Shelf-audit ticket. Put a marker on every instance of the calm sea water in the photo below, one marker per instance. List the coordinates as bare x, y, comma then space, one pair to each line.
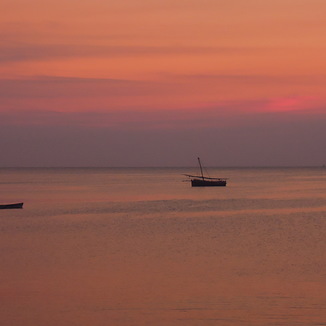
141, 247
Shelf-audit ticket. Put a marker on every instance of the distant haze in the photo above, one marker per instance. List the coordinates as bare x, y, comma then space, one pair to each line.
148, 83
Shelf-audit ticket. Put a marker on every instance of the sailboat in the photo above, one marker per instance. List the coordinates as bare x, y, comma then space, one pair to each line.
202, 181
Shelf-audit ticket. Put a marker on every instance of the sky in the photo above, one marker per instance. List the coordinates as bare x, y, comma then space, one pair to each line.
158, 83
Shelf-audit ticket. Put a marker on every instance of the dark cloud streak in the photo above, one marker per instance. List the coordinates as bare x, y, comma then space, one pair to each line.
34, 52
55, 87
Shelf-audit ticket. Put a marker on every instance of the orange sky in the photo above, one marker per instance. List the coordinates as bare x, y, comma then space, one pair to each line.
102, 57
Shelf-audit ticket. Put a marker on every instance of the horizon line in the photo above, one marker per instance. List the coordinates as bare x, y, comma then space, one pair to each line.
163, 167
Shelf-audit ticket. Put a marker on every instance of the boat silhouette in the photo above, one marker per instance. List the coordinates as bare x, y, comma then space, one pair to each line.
11, 206
202, 181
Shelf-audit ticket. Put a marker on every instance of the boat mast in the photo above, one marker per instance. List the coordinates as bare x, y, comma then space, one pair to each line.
201, 169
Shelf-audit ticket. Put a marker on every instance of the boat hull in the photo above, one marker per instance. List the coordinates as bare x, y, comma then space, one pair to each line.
12, 206
208, 183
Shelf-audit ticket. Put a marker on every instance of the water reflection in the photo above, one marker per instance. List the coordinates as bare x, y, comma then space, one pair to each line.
149, 255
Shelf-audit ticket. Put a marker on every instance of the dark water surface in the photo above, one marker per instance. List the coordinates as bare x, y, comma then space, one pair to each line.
141, 247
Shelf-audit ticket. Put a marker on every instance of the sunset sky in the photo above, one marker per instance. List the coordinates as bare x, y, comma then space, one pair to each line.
158, 83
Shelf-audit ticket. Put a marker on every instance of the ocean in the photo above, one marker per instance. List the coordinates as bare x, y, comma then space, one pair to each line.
140, 246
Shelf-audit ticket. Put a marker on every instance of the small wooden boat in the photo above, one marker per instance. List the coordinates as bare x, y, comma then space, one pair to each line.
202, 181
11, 206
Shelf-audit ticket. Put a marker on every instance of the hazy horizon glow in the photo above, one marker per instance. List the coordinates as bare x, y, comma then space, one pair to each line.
167, 80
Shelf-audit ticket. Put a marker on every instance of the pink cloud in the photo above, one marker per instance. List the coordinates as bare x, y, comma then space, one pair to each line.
294, 103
